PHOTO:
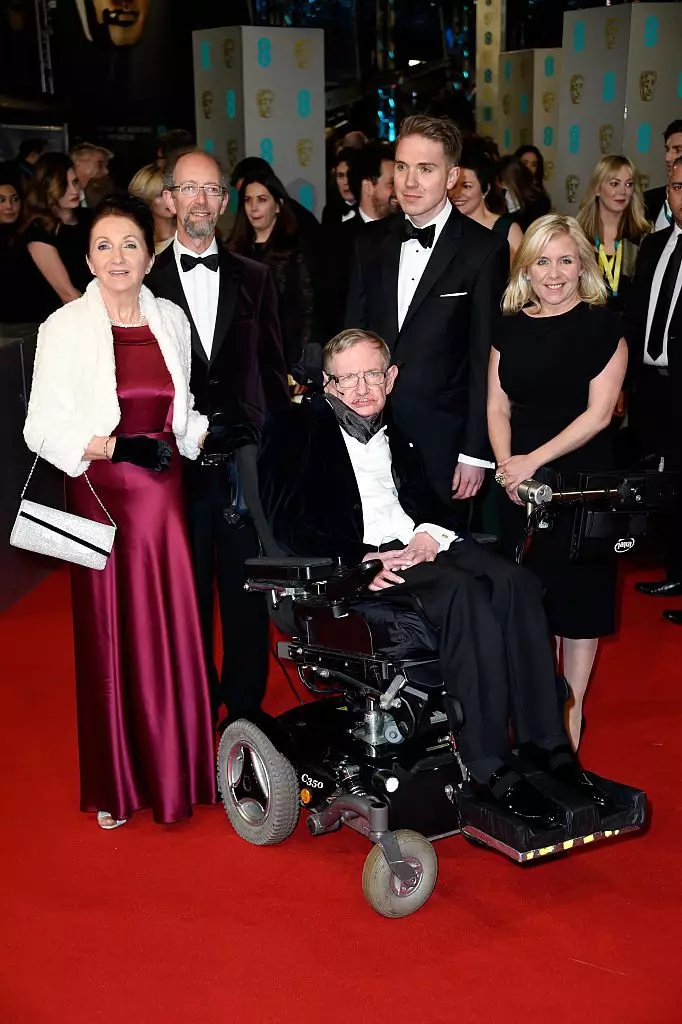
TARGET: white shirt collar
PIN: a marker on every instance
(179, 248)
(677, 230)
(439, 220)
(365, 217)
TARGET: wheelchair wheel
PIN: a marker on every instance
(258, 785)
(384, 891)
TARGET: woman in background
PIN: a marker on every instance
(476, 195)
(532, 158)
(612, 217)
(55, 233)
(525, 200)
(556, 369)
(14, 263)
(147, 185)
(265, 230)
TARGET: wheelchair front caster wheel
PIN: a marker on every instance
(385, 892)
(258, 785)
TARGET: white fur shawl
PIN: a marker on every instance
(73, 397)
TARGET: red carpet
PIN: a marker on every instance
(187, 923)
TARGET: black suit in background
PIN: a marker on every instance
(655, 410)
(493, 640)
(654, 198)
(245, 380)
(443, 347)
(337, 252)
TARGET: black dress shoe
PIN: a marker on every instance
(509, 791)
(562, 764)
(660, 588)
(673, 615)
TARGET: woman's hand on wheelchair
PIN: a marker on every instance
(514, 471)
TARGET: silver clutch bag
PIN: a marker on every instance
(49, 531)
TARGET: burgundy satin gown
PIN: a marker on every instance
(145, 736)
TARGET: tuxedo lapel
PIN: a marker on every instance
(444, 252)
(231, 272)
(165, 273)
(390, 265)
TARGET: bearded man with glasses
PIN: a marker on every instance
(338, 480)
(238, 377)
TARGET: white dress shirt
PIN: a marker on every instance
(364, 217)
(350, 212)
(665, 217)
(201, 287)
(413, 260)
(662, 360)
(383, 516)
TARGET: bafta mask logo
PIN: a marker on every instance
(487, 19)
(231, 148)
(113, 22)
(605, 138)
(207, 103)
(644, 181)
(548, 102)
(611, 29)
(506, 104)
(228, 51)
(549, 170)
(572, 185)
(304, 148)
(525, 136)
(647, 85)
(265, 98)
(302, 53)
(575, 88)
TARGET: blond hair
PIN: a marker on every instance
(519, 292)
(147, 184)
(633, 223)
(348, 339)
(437, 129)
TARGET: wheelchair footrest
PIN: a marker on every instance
(584, 823)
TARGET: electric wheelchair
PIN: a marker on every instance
(377, 749)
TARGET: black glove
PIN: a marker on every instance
(224, 438)
(143, 451)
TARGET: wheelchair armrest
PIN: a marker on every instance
(354, 582)
(290, 570)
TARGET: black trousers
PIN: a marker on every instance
(495, 651)
(219, 550)
(656, 424)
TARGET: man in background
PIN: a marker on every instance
(656, 204)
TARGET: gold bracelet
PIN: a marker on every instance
(106, 453)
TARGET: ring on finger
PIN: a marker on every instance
(499, 479)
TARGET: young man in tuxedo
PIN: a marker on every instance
(654, 336)
(656, 204)
(337, 480)
(238, 377)
(430, 281)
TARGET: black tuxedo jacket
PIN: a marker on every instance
(443, 347)
(246, 376)
(653, 201)
(650, 251)
(309, 493)
(337, 252)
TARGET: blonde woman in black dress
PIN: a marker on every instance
(555, 374)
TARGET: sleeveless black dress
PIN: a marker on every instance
(546, 365)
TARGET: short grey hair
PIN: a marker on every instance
(348, 339)
(169, 169)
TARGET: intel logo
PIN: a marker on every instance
(623, 545)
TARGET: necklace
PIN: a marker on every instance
(610, 266)
(138, 323)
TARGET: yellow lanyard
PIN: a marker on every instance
(610, 266)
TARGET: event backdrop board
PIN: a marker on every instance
(490, 22)
(621, 83)
(546, 82)
(260, 92)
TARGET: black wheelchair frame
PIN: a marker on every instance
(377, 749)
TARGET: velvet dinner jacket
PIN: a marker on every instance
(443, 347)
(246, 376)
(308, 490)
(649, 254)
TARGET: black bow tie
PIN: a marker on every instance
(190, 262)
(424, 236)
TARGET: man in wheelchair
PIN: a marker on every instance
(336, 480)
